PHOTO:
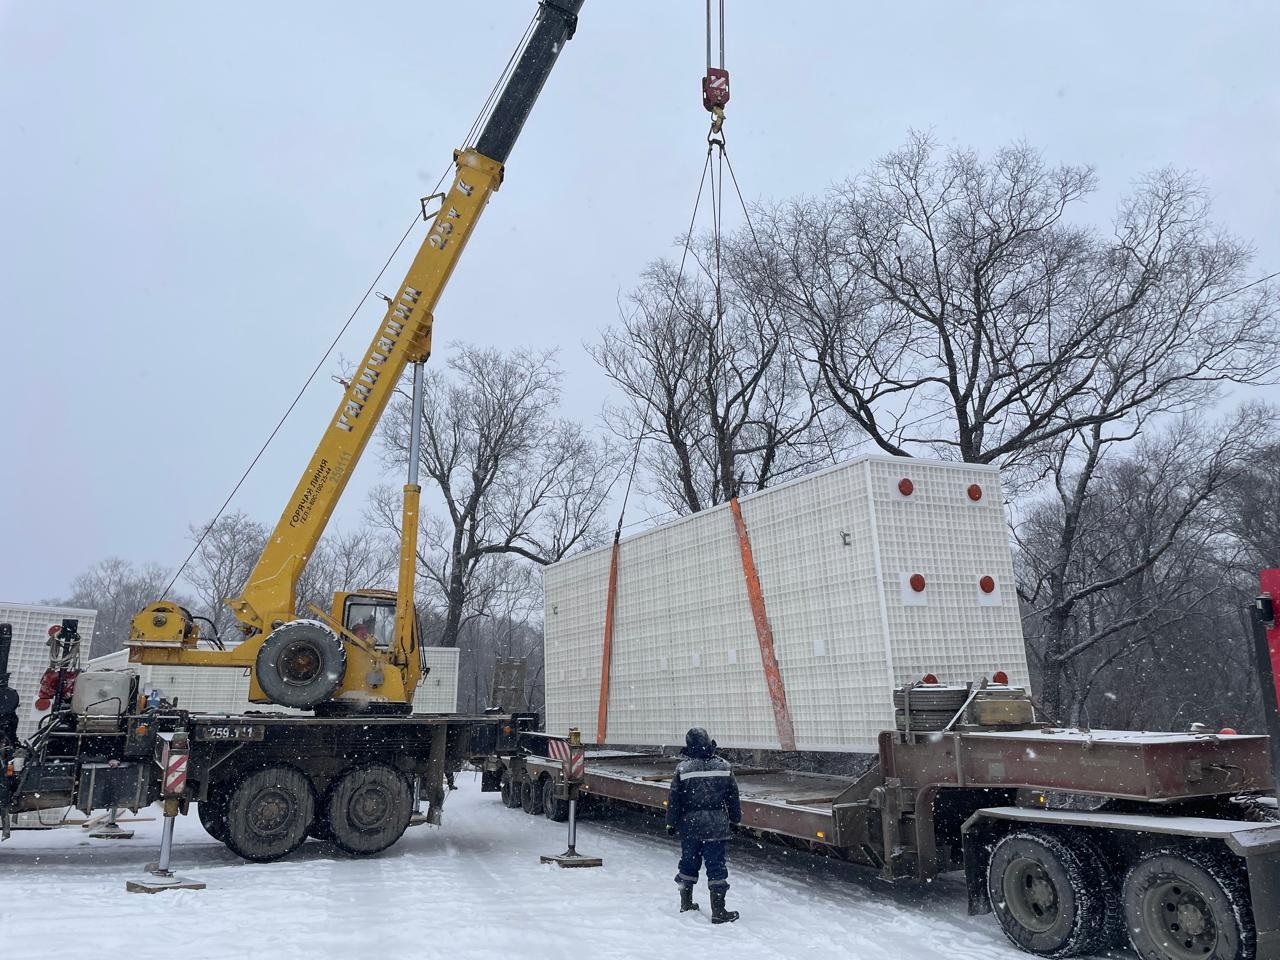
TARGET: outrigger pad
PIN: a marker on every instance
(154, 884)
(569, 859)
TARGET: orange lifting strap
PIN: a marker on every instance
(772, 675)
(606, 661)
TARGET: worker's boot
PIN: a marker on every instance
(718, 913)
(686, 899)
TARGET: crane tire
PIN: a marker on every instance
(300, 664)
(531, 796)
(213, 816)
(553, 807)
(368, 809)
(268, 813)
(510, 791)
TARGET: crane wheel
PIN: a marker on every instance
(213, 816)
(268, 813)
(553, 807)
(301, 664)
(531, 796)
(510, 788)
(368, 809)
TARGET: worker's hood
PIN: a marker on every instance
(698, 744)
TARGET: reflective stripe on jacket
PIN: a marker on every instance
(703, 800)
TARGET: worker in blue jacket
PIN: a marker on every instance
(703, 808)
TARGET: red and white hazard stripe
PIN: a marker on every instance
(577, 764)
(175, 774)
(558, 750)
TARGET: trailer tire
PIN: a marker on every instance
(510, 791)
(213, 817)
(1189, 902)
(268, 813)
(555, 808)
(369, 809)
(301, 664)
(1044, 895)
(531, 796)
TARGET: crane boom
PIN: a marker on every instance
(163, 632)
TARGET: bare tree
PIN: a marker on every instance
(363, 558)
(117, 590)
(515, 480)
(714, 381)
(1253, 510)
(229, 548)
(1126, 550)
(950, 307)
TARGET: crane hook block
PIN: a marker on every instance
(715, 88)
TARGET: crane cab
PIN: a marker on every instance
(363, 657)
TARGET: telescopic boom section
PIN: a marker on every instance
(405, 333)
(270, 595)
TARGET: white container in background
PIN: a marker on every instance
(868, 583)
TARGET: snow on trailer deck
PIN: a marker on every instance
(473, 890)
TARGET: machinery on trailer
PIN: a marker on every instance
(347, 772)
(1075, 839)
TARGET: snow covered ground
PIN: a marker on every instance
(474, 889)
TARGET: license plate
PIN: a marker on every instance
(231, 731)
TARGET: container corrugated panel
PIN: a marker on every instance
(438, 691)
(29, 657)
(835, 552)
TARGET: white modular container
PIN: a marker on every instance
(836, 553)
(29, 656)
(226, 690)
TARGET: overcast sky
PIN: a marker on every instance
(194, 196)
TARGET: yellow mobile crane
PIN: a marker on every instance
(325, 662)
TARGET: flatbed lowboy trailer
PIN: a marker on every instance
(1076, 839)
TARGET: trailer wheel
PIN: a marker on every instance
(268, 813)
(213, 817)
(369, 809)
(555, 808)
(300, 664)
(1188, 904)
(1044, 894)
(530, 796)
(510, 791)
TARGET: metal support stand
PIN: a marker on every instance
(172, 756)
(111, 830)
(571, 857)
